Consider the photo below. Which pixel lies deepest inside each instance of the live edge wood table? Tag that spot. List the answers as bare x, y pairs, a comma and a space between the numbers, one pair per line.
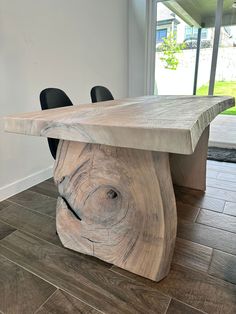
115, 168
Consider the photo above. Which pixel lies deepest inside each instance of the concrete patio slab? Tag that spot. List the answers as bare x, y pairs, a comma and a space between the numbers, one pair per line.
223, 132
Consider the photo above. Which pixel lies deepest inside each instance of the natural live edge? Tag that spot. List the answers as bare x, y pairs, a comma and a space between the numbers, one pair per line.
164, 123
183, 138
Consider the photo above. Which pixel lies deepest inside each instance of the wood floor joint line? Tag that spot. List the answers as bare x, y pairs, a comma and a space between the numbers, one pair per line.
46, 301
209, 265
203, 224
72, 295
196, 218
44, 279
127, 277
26, 269
26, 232
168, 305
192, 307
32, 210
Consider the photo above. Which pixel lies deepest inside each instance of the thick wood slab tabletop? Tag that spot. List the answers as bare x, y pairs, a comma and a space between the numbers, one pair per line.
160, 123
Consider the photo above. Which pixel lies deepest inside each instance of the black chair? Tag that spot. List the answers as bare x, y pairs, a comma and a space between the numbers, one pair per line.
100, 93
51, 98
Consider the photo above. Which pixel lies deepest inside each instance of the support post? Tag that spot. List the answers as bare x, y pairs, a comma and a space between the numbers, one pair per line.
190, 170
199, 36
218, 23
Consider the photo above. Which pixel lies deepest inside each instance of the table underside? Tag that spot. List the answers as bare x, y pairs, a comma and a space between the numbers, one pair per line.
118, 204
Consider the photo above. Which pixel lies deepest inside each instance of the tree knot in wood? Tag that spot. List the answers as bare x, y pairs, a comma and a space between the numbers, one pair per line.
112, 194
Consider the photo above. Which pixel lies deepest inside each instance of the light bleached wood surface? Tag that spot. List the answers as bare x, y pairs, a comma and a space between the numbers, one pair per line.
117, 204
159, 123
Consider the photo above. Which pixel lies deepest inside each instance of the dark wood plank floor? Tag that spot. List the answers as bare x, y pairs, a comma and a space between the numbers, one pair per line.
38, 275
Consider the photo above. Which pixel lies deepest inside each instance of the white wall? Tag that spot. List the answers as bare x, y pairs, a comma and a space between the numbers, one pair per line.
70, 44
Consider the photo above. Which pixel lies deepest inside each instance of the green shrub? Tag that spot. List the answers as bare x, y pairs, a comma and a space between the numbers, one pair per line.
170, 48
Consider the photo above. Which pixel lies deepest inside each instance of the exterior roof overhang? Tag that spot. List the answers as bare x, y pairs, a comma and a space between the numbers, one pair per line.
201, 13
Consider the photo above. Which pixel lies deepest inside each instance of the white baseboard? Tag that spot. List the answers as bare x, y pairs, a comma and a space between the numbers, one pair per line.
25, 183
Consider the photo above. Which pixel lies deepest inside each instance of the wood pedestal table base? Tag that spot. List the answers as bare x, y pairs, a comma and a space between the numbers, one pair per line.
118, 205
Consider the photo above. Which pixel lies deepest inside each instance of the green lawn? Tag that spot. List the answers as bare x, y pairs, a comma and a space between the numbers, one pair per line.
221, 88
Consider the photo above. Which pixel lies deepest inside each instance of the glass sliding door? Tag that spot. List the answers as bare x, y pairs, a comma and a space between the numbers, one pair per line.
205, 58
225, 80
179, 25
175, 52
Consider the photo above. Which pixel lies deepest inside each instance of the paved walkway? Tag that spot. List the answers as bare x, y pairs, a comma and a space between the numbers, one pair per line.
223, 132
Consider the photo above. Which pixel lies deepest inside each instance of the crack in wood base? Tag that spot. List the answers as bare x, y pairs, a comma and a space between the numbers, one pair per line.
118, 205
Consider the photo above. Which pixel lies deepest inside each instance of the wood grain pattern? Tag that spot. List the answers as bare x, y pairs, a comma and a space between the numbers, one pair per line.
222, 194
223, 169
158, 123
223, 266
4, 204
190, 170
199, 199
192, 255
20, 291
230, 208
208, 236
30, 221
217, 220
5, 230
46, 188
177, 307
35, 201
222, 184
194, 288
227, 176
199, 290
82, 276
63, 303
117, 204
186, 211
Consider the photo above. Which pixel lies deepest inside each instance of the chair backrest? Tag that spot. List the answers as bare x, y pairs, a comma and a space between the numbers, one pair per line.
51, 98
100, 93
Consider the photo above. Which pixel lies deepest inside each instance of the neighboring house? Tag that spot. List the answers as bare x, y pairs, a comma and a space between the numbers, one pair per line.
166, 27
166, 23
226, 37
191, 33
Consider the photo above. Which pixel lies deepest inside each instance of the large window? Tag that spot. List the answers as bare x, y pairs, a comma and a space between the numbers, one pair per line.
176, 59
186, 62
174, 73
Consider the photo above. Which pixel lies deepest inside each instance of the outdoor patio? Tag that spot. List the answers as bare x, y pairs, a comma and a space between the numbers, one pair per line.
223, 132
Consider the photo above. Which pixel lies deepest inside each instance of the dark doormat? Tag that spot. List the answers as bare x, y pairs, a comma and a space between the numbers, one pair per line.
222, 154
